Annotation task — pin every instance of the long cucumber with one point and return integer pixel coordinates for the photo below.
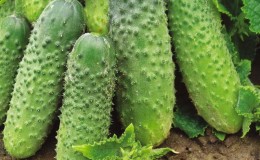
(39, 82)
(145, 92)
(205, 62)
(14, 31)
(89, 88)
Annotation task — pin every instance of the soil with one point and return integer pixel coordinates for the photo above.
(202, 148)
(209, 148)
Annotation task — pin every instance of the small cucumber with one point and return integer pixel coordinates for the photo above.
(14, 31)
(89, 88)
(6, 8)
(97, 16)
(39, 82)
(31, 9)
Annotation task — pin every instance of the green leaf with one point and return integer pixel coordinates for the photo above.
(110, 147)
(123, 148)
(2, 1)
(190, 123)
(220, 135)
(239, 27)
(246, 126)
(230, 8)
(248, 102)
(222, 8)
(244, 70)
(158, 153)
(144, 153)
(252, 11)
(257, 113)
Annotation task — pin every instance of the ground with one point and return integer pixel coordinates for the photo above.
(209, 148)
(203, 148)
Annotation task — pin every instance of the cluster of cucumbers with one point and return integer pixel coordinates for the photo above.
(46, 59)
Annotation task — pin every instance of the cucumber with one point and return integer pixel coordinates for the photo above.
(6, 8)
(31, 9)
(97, 16)
(14, 31)
(205, 62)
(39, 81)
(89, 88)
(145, 92)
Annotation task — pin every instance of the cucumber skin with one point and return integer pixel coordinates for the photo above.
(39, 81)
(97, 16)
(89, 88)
(205, 62)
(31, 9)
(15, 32)
(145, 92)
(6, 8)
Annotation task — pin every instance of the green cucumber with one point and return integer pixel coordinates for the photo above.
(205, 62)
(97, 15)
(39, 81)
(89, 88)
(14, 31)
(145, 92)
(31, 9)
(6, 8)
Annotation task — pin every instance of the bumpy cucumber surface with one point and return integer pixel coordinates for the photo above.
(39, 84)
(6, 8)
(145, 92)
(31, 9)
(205, 62)
(97, 16)
(14, 31)
(89, 87)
